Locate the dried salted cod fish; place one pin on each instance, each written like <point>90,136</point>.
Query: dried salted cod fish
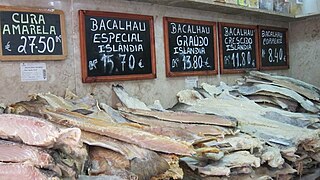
<point>115,115</point>
<point>28,108</point>
<point>157,106</point>
<point>10,171</point>
<point>240,159</point>
<point>189,96</point>
<point>108,162</point>
<point>275,95</point>
<point>288,120</point>
<point>85,102</point>
<point>197,129</point>
<point>264,99</point>
<point>227,103</point>
<point>282,172</point>
<point>139,157</point>
<point>305,103</point>
<point>104,161</point>
<point>181,117</point>
<point>127,100</point>
<point>203,92</point>
<point>101,177</point>
<point>58,102</point>
<point>212,90</point>
<point>239,142</point>
<point>174,172</point>
<point>121,132</point>
<point>11,152</point>
<point>283,103</point>
<point>55,101</point>
<point>273,156</point>
<point>206,170</point>
<point>216,90</point>
<point>307,90</point>
<point>251,118</point>
<point>172,132</point>
<point>224,166</point>
<point>36,131</point>
<point>131,151</point>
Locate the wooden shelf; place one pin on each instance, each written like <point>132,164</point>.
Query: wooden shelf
<point>209,5</point>
<point>304,16</point>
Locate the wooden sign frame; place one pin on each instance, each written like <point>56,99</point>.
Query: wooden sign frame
<point>84,64</point>
<point>287,66</point>
<point>235,71</point>
<point>166,20</point>
<point>37,57</point>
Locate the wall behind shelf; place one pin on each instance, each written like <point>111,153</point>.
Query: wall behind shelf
<point>305,50</point>
<point>67,73</point>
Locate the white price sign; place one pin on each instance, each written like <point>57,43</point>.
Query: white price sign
<point>191,82</point>
<point>33,72</point>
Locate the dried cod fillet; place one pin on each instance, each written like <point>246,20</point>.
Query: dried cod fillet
<point>303,88</point>
<point>35,131</point>
<point>130,151</point>
<point>197,129</point>
<point>181,117</point>
<point>11,152</point>
<point>252,120</point>
<point>21,171</point>
<point>305,103</point>
<point>238,142</point>
<point>273,156</point>
<point>120,132</point>
<point>107,162</point>
<point>139,157</point>
<point>115,115</point>
<point>127,100</point>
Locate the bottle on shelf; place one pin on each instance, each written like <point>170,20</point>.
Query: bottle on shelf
<point>296,7</point>
<point>266,5</point>
<point>281,6</point>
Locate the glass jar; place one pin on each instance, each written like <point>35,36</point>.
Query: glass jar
<point>266,5</point>
<point>281,6</point>
<point>254,3</point>
<point>296,7</point>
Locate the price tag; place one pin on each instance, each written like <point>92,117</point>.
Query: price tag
<point>33,72</point>
<point>191,82</point>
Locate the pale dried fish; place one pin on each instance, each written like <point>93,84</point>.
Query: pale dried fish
<point>308,90</point>
<point>273,156</point>
<point>121,132</point>
<point>305,103</point>
<point>181,117</point>
<point>128,101</point>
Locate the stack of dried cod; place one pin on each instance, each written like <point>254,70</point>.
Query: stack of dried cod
<point>117,148</point>
<point>289,141</point>
<point>31,148</point>
<point>280,92</point>
<point>213,132</point>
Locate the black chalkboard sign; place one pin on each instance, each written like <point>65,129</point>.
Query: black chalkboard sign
<point>190,47</point>
<point>274,49</point>
<point>238,47</point>
<point>116,46</point>
<point>32,34</point>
